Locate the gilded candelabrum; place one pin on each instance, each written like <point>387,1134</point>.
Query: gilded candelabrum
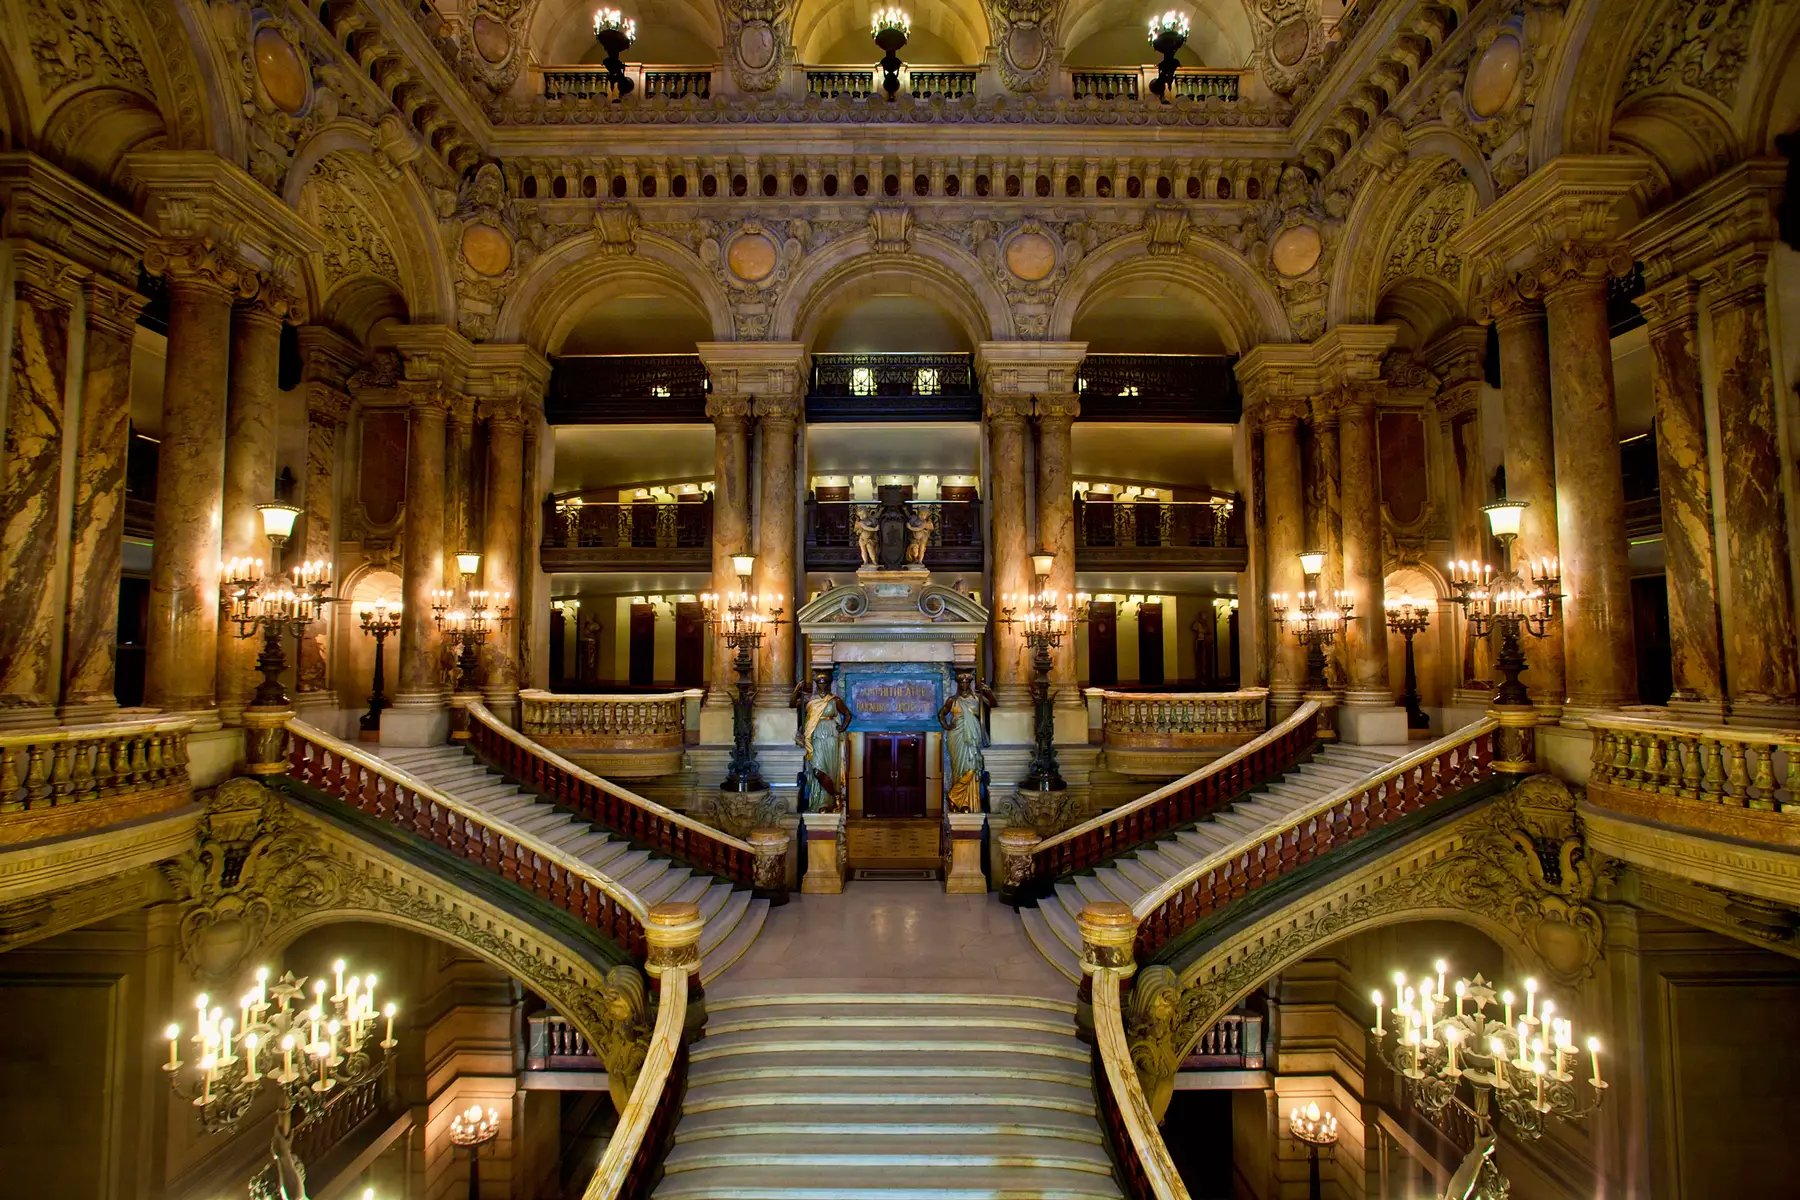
<point>1506,601</point>
<point>1472,1050</point>
<point>467,617</point>
<point>1313,625</point>
<point>379,620</point>
<point>615,32</point>
<point>273,1040</point>
<point>1045,617</point>
<point>1168,34</point>
<point>1408,618</point>
<point>744,619</point>
<point>272,603</point>
<point>890,27</point>
<point>472,1129</point>
<point>1318,1131</point>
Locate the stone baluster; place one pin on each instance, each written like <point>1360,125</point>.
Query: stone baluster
<point>1762,674</point>
<point>97,531</point>
<point>327,361</point>
<point>44,285</point>
<point>1685,483</point>
<point>1056,416</point>
<point>731,519</point>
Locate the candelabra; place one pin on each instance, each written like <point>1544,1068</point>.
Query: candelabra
<point>1044,623</point>
<point>306,1055</point>
<point>615,32</point>
<point>891,27</point>
<point>273,603</point>
<point>473,1129</point>
<point>467,618</point>
<point>1408,618</point>
<point>378,621</point>
<point>1481,1068</point>
<point>1319,1131</point>
<point>1168,34</point>
<point>744,619</point>
<point>1313,626</point>
<point>1503,600</point>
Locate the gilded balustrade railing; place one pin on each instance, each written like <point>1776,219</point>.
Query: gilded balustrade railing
<point>1146,1172</point>
<point>605,722</point>
<point>67,780</point>
<point>1177,720</point>
<point>553,1043</point>
<point>1736,781</point>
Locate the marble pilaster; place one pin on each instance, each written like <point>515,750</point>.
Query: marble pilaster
<point>44,285</point>
<point>1283,525</point>
<point>1366,638</point>
<point>1761,673</point>
<point>730,519</point>
<point>459,455</point>
<point>97,528</point>
<point>1011,551</point>
<point>326,361</point>
<point>1325,515</point>
<point>777,418</point>
<point>421,680</point>
<point>1056,527</point>
<point>1457,359</point>
<point>1684,479</point>
<point>500,545</point>
<point>251,419</point>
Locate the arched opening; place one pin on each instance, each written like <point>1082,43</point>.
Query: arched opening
<point>676,32</point>
<point>1113,33</point>
<point>838,31</point>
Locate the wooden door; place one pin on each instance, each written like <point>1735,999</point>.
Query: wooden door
<point>1150,643</point>
<point>643,645</point>
<point>1103,643</point>
<point>894,775</point>
<point>690,644</point>
<point>559,633</point>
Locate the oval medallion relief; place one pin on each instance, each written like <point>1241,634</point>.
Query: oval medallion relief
<point>486,249</point>
<point>492,41</point>
<point>1031,257</point>
<point>1025,47</point>
<point>1494,76</point>
<point>751,257</point>
<point>756,45</point>
<point>1295,250</point>
<point>279,68</point>
<point>1290,41</point>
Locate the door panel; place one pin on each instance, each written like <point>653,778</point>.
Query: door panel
<point>1103,643</point>
<point>690,644</point>
<point>643,645</point>
<point>894,775</point>
<point>1150,643</point>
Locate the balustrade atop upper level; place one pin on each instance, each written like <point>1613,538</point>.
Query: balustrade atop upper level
<point>625,736</point>
<point>1167,734</point>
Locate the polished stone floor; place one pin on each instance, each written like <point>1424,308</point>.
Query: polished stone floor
<point>887,936</point>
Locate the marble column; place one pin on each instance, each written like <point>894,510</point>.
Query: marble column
<point>421,679</point>
<point>1360,497</point>
<point>327,409</point>
<point>97,529</point>
<point>1011,552</point>
<point>1598,645</point>
<point>500,547</point>
<point>1761,673</point>
<point>730,520</point>
<point>1324,518</point>
<point>459,454</point>
<point>30,485</point>
<point>1458,358</point>
<point>1531,466</point>
<point>1056,527</point>
<point>251,417</point>
<point>1684,478</point>
<point>533,654</point>
<point>182,655</point>
<point>777,418</point>
<point>1283,525</point>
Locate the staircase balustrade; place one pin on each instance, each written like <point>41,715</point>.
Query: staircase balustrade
<point>553,1043</point>
<point>623,723</point>
<point>1405,786</point>
<point>1145,1170</point>
<point>1737,782</point>
<point>390,795</point>
<point>1183,720</point>
<point>608,805</point>
<point>72,779</point>
<point>634,1153</point>
<point>1196,795</point>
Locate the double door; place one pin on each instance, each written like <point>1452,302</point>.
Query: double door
<point>893,775</point>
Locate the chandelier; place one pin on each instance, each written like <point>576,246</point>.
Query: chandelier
<point>1168,34</point>
<point>1504,600</point>
<point>1044,618</point>
<point>890,27</point>
<point>256,599</point>
<point>743,619</point>
<point>467,617</point>
<point>1473,1050</point>
<point>615,32</point>
<point>1313,625</point>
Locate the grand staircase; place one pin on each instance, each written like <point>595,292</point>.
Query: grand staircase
<point>1051,925</point>
<point>849,1095</point>
<point>733,918</point>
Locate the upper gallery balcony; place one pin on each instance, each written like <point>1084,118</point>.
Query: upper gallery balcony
<point>1159,387</point>
<point>1138,529</point>
<point>892,387</point>
<point>627,389</point>
<point>594,531</point>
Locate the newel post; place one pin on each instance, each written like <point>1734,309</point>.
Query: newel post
<point>1108,941</point>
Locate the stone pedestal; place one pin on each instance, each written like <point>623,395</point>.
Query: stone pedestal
<point>265,740</point>
<point>1011,860</point>
<point>824,858</point>
<point>1367,726</point>
<point>963,875</point>
<point>771,878</point>
<point>1515,743</point>
<point>1329,713</point>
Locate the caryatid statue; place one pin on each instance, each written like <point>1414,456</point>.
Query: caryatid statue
<point>964,738</point>
<point>824,717</point>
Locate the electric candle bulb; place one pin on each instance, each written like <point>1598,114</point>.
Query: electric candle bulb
<point>1461,991</point>
<point>1506,998</point>
<point>262,989</point>
<point>1593,1045</point>
<point>1530,998</point>
<point>174,1037</point>
<point>1440,978</point>
<point>1378,1017</point>
<point>287,1058</point>
<point>251,1041</point>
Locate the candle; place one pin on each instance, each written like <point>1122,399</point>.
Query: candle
<point>287,1059</point>
<point>1523,1034</point>
<point>389,1012</point>
<point>1530,998</point>
<point>1440,978</point>
<point>262,987</point>
<point>174,1034</point>
<point>208,1065</point>
<point>1417,1049</point>
<point>1506,998</point>
<point>250,1044</point>
<point>312,1037</point>
<point>1451,1036</point>
<point>338,968</point>
<point>225,1037</point>
<point>244,1011</point>
<point>331,1043</point>
<point>1462,990</point>
<point>1537,1068</point>
<point>1593,1045</point>
<point>1379,1027</point>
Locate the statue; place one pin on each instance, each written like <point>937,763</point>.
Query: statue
<point>867,531</point>
<point>921,523</point>
<point>964,737</point>
<point>823,719</point>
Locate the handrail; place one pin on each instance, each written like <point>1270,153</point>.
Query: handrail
<point>60,780</point>
<point>89,733</point>
<point>511,853</point>
<point>677,693</point>
<point>629,814</point>
<point>635,1145</point>
<point>1143,1156</point>
<point>1119,829</point>
<point>1168,909</point>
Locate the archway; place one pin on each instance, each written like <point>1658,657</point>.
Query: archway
<point>944,32</point>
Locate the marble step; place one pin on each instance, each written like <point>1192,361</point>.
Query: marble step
<point>876,1016</point>
<point>939,1152</point>
<point>919,1182</point>
<point>887,1039</point>
<point>1052,947</point>
<point>732,997</point>
<point>895,1092</point>
<point>938,1061</point>
<point>743,931</point>
<point>972,1118</point>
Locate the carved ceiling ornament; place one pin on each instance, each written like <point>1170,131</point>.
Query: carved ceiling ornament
<point>81,41</point>
<point>338,200</point>
<point>1024,33</point>
<point>752,261</point>
<point>1287,33</point>
<point>1701,45</point>
<point>489,243</point>
<point>486,45</point>
<point>1029,261</point>
<point>758,41</point>
<point>1435,210</point>
<point>1519,863</point>
<point>1293,240</point>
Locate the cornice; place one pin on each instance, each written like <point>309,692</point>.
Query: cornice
<point>44,868</point>
<point>507,371</point>
<point>41,202</point>
<point>195,193</point>
<point>1767,872</point>
<point>1353,353</point>
<point>432,354</point>
<point>1574,199</point>
<point>769,371</point>
<point>1736,208</point>
<point>1028,368</point>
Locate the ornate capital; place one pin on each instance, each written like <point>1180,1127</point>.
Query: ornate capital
<point>723,409</point>
<point>1738,279</point>
<point>1005,407</point>
<point>1571,263</point>
<point>777,409</point>
<point>1672,308</point>
<point>1503,297</point>
<point>325,405</point>
<point>203,263</point>
<point>43,278</point>
<point>426,398</point>
<point>1061,407</point>
<point>111,306</point>
<point>507,412</point>
<point>278,300</point>
<point>326,355</point>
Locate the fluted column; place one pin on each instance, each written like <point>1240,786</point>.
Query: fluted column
<point>97,527</point>
<point>1598,639</point>
<point>1283,523</point>
<point>1761,673</point>
<point>1011,544</point>
<point>500,548</point>
<point>1056,526</point>
<point>1684,478</point>
<point>182,654</point>
<point>777,417</point>
<point>1531,465</point>
<point>421,682</point>
<point>1366,637</point>
<point>251,417</point>
<point>30,479</point>
<point>730,519</point>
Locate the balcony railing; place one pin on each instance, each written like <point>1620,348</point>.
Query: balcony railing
<point>616,736</point>
<point>584,83</point>
<point>1128,532</point>
<point>61,781</point>
<point>554,1044</point>
<point>594,535</point>
<point>1735,782</point>
<point>1234,1043</point>
<point>837,83</point>
<point>893,387</point>
<point>1131,84</point>
<point>1183,720</point>
<point>1159,387</point>
<point>831,542</point>
<point>627,389</point>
